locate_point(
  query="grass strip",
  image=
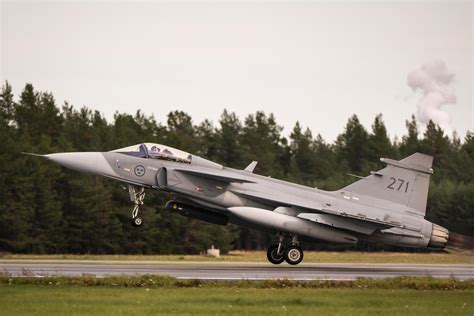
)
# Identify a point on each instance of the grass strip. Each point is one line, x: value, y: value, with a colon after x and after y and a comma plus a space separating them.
x: 101, y: 300
x: 155, y: 281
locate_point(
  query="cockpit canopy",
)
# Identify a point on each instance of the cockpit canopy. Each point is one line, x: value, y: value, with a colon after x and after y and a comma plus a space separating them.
x: 156, y: 151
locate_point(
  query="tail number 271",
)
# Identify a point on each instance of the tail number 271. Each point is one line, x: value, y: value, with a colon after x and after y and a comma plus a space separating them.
x: 398, y: 184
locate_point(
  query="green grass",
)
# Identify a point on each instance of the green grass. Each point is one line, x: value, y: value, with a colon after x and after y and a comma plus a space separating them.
x: 156, y: 281
x: 28, y: 299
x: 449, y: 257
x: 146, y: 295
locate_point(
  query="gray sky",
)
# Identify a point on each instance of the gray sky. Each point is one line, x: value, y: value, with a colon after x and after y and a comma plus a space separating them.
x: 317, y: 62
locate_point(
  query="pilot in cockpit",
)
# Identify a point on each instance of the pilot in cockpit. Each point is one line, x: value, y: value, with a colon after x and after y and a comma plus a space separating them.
x: 154, y: 151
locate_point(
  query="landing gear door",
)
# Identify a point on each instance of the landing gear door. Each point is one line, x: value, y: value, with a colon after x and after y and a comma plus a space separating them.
x: 161, y: 178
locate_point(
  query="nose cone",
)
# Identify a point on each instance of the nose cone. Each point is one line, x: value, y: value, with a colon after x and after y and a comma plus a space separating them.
x: 82, y: 161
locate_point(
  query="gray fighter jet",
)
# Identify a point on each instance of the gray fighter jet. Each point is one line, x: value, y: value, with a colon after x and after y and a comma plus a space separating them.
x: 388, y: 206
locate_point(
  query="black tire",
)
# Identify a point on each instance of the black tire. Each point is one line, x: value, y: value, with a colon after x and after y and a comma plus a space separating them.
x: 293, y: 255
x: 273, y: 256
x: 137, y: 221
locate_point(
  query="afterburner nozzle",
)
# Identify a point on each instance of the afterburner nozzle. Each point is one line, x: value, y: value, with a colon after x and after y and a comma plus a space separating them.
x: 439, y: 237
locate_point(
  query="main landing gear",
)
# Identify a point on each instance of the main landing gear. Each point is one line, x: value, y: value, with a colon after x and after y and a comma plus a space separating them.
x: 137, y: 195
x: 292, y: 254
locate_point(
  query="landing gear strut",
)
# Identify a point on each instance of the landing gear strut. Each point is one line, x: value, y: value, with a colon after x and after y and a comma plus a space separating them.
x: 137, y: 195
x: 276, y: 253
x: 292, y: 254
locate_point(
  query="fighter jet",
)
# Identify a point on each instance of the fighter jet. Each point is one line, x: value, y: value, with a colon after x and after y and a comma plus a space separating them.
x: 388, y: 206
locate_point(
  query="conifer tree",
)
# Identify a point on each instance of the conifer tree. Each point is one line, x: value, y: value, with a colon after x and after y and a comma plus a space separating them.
x: 410, y: 143
x: 228, y: 137
x: 303, y: 153
x: 351, y: 146
x: 379, y: 145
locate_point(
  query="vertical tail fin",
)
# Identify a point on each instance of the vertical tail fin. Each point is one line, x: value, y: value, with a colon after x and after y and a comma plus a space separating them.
x: 404, y: 182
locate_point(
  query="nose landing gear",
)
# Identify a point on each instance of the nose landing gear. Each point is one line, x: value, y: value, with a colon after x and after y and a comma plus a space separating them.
x: 137, y: 195
x: 292, y: 254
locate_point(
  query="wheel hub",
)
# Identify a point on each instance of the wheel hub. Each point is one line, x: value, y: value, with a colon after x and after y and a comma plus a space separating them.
x: 294, y: 254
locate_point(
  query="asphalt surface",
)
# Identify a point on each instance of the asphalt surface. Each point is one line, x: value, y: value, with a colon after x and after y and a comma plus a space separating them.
x: 232, y: 270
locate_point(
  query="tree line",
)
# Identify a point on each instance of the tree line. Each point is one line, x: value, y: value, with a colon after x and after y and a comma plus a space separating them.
x: 47, y: 209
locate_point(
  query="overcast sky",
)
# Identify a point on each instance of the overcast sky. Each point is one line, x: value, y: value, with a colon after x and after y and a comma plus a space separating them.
x: 317, y: 63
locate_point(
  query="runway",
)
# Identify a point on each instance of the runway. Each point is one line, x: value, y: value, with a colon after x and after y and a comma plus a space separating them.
x: 232, y: 270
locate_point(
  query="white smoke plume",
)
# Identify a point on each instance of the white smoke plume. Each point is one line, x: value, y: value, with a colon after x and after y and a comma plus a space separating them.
x: 434, y: 81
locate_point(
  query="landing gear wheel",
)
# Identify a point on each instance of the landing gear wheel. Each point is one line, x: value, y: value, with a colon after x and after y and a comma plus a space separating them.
x: 137, y: 221
x: 137, y: 195
x: 273, y: 256
x: 293, y: 255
